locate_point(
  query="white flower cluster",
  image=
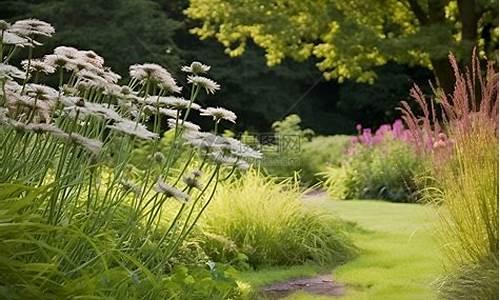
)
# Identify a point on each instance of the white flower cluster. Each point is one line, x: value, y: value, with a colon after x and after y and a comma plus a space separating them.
x: 23, y: 33
x: 90, y: 102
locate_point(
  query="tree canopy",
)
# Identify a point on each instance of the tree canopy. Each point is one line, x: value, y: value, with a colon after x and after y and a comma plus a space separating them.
x: 350, y: 37
x: 125, y: 32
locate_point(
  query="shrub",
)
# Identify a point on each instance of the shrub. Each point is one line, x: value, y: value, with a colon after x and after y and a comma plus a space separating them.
x: 262, y: 222
x: 467, y: 176
x: 321, y: 153
x: 282, y: 157
x: 31, y: 268
x: 298, y: 151
x: 387, y: 170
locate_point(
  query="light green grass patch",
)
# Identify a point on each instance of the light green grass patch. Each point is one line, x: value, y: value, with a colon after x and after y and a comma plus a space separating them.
x: 399, y: 257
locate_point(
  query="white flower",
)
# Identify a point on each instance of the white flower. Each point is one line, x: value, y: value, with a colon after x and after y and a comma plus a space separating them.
x: 221, y: 159
x: 69, y: 101
x: 47, y: 128
x: 209, y: 85
x: 93, y: 146
x: 172, y: 123
x: 60, y: 61
x: 92, y: 58
x: 86, y: 109
x: 243, y: 151
x: 41, y: 92
x: 168, y: 112
x: 205, y: 140
x: 242, y: 165
x: 73, y: 59
x: 82, y: 64
x: 32, y: 27
x: 9, y: 72
x: 173, y: 102
x: 192, y: 181
x: 196, y: 68
x: 13, y: 39
x: 109, y: 75
x: 168, y: 84
x: 19, y: 126
x: 156, y: 74
x: 91, y: 79
x: 130, y: 186
x: 171, y: 191
x: 147, y: 71
x: 68, y: 52
x: 15, y: 101
x: 37, y: 65
x: 11, y: 86
x: 132, y: 128
x: 112, y: 90
x: 219, y: 113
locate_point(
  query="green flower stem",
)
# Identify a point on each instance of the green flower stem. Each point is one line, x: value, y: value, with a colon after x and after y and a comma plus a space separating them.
x: 30, y: 56
x: 185, y: 233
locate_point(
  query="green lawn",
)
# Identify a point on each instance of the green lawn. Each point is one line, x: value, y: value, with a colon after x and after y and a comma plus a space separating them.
x: 399, y: 258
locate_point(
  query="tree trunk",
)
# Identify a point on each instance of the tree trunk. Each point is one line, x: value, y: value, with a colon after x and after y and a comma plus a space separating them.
x: 441, y: 66
x: 469, y: 19
x: 443, y: 74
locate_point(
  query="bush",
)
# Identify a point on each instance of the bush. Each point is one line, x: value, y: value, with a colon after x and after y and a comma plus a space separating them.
x: 33, y: 269
x: 298, y: 151
x: 385, y: 171
x: 321, y: 153
x: 468, y: 179
x: 261, y: 222
x: 282, y: 157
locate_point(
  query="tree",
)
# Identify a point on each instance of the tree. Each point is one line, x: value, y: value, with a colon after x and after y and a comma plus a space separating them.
x: 124, y: 32
x: 350, y: 37
x: 135, y: 31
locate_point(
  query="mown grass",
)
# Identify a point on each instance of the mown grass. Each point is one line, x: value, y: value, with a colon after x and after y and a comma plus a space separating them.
x: 399, y: 257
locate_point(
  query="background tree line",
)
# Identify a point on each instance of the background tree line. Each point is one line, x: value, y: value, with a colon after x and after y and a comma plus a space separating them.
x: 133, y: 31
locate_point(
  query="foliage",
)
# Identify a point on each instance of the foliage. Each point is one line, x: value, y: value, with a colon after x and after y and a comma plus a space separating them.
x: 200, y: 283
x: 36, y: 268
x: 468, y: 179
x: 249, y: 88
x: 385, y: 171
x: 396, y: 131
x: 321, y: 153
x: 351, y: 37
x: 475, y: 281
x: 124, y: 32
x: 296, y: 151
x: 283, y: 156
x: 80, y: 217
x: 265, y: 223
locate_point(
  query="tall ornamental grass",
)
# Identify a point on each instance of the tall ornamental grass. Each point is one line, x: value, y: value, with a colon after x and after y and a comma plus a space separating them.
x: 464, y: 148
x: 79, y: 217
x: 257, y: 222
